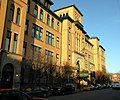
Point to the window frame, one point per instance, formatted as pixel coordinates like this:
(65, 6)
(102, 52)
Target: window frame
(18, 16)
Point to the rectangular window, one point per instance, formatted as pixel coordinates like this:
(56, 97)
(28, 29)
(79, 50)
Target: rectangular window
(35, 11)
(57, 59)
(18, 16)
(58, 27)
(24, 48)
(15, 43)
(33, 30)
(48, 56)
(36, 52)
(41, 15)
(49, 38)
(52, 23)
(41, 33)
(37, 31)
(52, 41)
(8, 38)
(48, 20)
(12, 7)
(26, 26)
(58, 42)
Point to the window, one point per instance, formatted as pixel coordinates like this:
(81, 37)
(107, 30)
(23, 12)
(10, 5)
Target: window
(33, 30)
(48, 56)
(48, 19)
(8, 38)
(35, 11)
(58, 26)
(28, 6)
(36, 48)
(12, 7)
(18, 16)
(15, 43)
(58, 42)
(41, 15)
(37, 31)
(49, 38)
(52, 23)
(57, 59)
(24, 48)
(26, 26)
(36, 52)
(69, 31)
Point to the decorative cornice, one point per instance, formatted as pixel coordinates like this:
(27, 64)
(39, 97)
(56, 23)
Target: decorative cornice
(80, 26)
(89, 42)
(101, 47)
(95, 38)
(67, 17)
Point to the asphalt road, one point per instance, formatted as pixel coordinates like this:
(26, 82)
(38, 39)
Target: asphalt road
(103, 94)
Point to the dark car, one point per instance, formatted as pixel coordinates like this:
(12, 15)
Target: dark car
(11, 94)
(65, 89)
(57, 90)
(38, 91)
(69, 88)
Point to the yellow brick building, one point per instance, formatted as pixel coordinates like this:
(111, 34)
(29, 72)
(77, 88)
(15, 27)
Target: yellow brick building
(34, 38)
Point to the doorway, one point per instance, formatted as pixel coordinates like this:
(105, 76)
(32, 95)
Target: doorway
(7, 76)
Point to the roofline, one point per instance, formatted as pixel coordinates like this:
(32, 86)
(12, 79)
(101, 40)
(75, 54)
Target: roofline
(89, 42)
(68, 7)
(102, 47)
(95, 38)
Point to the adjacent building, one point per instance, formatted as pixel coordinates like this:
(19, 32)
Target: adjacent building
(35, 42)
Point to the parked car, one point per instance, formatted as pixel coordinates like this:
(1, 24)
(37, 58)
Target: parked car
(11, 94)
(69, 88)
(57, 90)
(38, 91)
(65, 89)
(116, 85)
(98, 86)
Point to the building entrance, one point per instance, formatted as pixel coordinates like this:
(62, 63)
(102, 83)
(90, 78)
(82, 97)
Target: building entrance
(7, 76)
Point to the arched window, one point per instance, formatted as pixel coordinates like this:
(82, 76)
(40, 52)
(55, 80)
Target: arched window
(12, 7)
(41, 15)
(18, 16)
(35, 11)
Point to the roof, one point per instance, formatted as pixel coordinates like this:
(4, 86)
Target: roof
(68, 7)
(95, 38)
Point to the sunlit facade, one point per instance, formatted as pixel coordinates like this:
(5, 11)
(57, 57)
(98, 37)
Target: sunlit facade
(32, 36)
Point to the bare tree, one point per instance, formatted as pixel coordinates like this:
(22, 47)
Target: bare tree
(67, 73)
(101, 77)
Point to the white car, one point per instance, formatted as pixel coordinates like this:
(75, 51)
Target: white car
(115, 85)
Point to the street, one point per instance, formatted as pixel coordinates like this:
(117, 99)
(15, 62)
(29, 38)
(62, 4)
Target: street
(103, 94)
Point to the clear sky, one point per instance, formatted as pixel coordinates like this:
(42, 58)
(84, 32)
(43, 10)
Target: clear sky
(101, 18)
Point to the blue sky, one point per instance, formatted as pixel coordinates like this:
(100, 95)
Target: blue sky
(101, 18)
